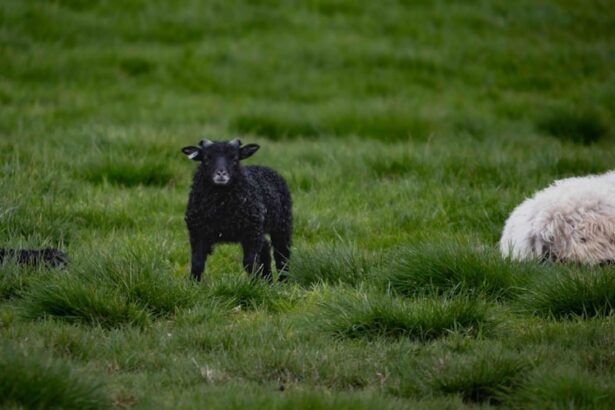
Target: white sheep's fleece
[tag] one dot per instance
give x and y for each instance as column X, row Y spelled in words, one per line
column 571, row 220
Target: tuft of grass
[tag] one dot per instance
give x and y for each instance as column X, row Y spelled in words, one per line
column 136, row 66
column 15, row 279
column 575, row 291
column 362, row 315
column 399, row 164
column 442, row 267
column 111, row 288
column 575, row 166
column 558, row 388
column 102, row 216
column 329, row 263
column 392, row 167
column 579, row 126
column 599, row 360
column 248, row 292
column 37, row 382
column 380, row 124
column 274, row 127
column 74, row 299
column 128, row 174
column 144, row 280
column 486, row 377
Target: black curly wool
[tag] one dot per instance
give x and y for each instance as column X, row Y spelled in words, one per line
column 254, row 202
column 46, row 256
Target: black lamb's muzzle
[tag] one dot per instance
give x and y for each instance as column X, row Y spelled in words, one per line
column 221, row 177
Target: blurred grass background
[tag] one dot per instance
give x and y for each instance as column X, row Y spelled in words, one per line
column 407, row 130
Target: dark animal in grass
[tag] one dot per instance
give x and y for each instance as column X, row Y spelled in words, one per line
column 230, row 203
column 47, row 256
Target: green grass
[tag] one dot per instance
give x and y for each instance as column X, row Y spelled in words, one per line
column 127, row 174
column 580, row 291
column 244, row 292
column 34, row 381
column 15, row 279
column 407, row 132
column 332, row 263
column 78, row 302
column 567, row 388
column 446, row 267
column 484, row 377
column 110, row 288
column 583, row 127
column 354, row 315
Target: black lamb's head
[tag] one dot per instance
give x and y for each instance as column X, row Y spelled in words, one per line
column 220, row 159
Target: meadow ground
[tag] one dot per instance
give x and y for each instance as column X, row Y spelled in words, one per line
column 407, row 131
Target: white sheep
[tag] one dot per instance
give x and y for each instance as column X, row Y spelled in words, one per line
column 571, row 220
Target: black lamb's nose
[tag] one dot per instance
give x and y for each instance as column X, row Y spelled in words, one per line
column 221, row 172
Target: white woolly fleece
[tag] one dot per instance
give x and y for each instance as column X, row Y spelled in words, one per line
column 571, row 220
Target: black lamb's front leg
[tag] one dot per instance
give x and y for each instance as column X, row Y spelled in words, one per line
column 252, row 262
column 200, row 250
column 250, row 256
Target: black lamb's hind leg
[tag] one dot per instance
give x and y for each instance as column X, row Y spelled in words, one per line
column 265, row 260
column 281, row 251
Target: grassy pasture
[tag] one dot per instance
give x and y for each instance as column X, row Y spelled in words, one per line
column 407, row 130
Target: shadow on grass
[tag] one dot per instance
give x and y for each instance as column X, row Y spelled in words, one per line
column 384, row 126
column 274, row 127
column 579, row 126
column 127, row 174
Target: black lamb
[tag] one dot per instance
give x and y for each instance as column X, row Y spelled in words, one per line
column 230, row 203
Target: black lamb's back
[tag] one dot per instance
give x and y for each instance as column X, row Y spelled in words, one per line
column 274, row 193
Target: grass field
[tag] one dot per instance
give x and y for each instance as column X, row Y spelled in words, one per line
column 407, row 130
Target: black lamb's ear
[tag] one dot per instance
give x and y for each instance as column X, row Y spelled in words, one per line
column 247, row 150
column 193, row 153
